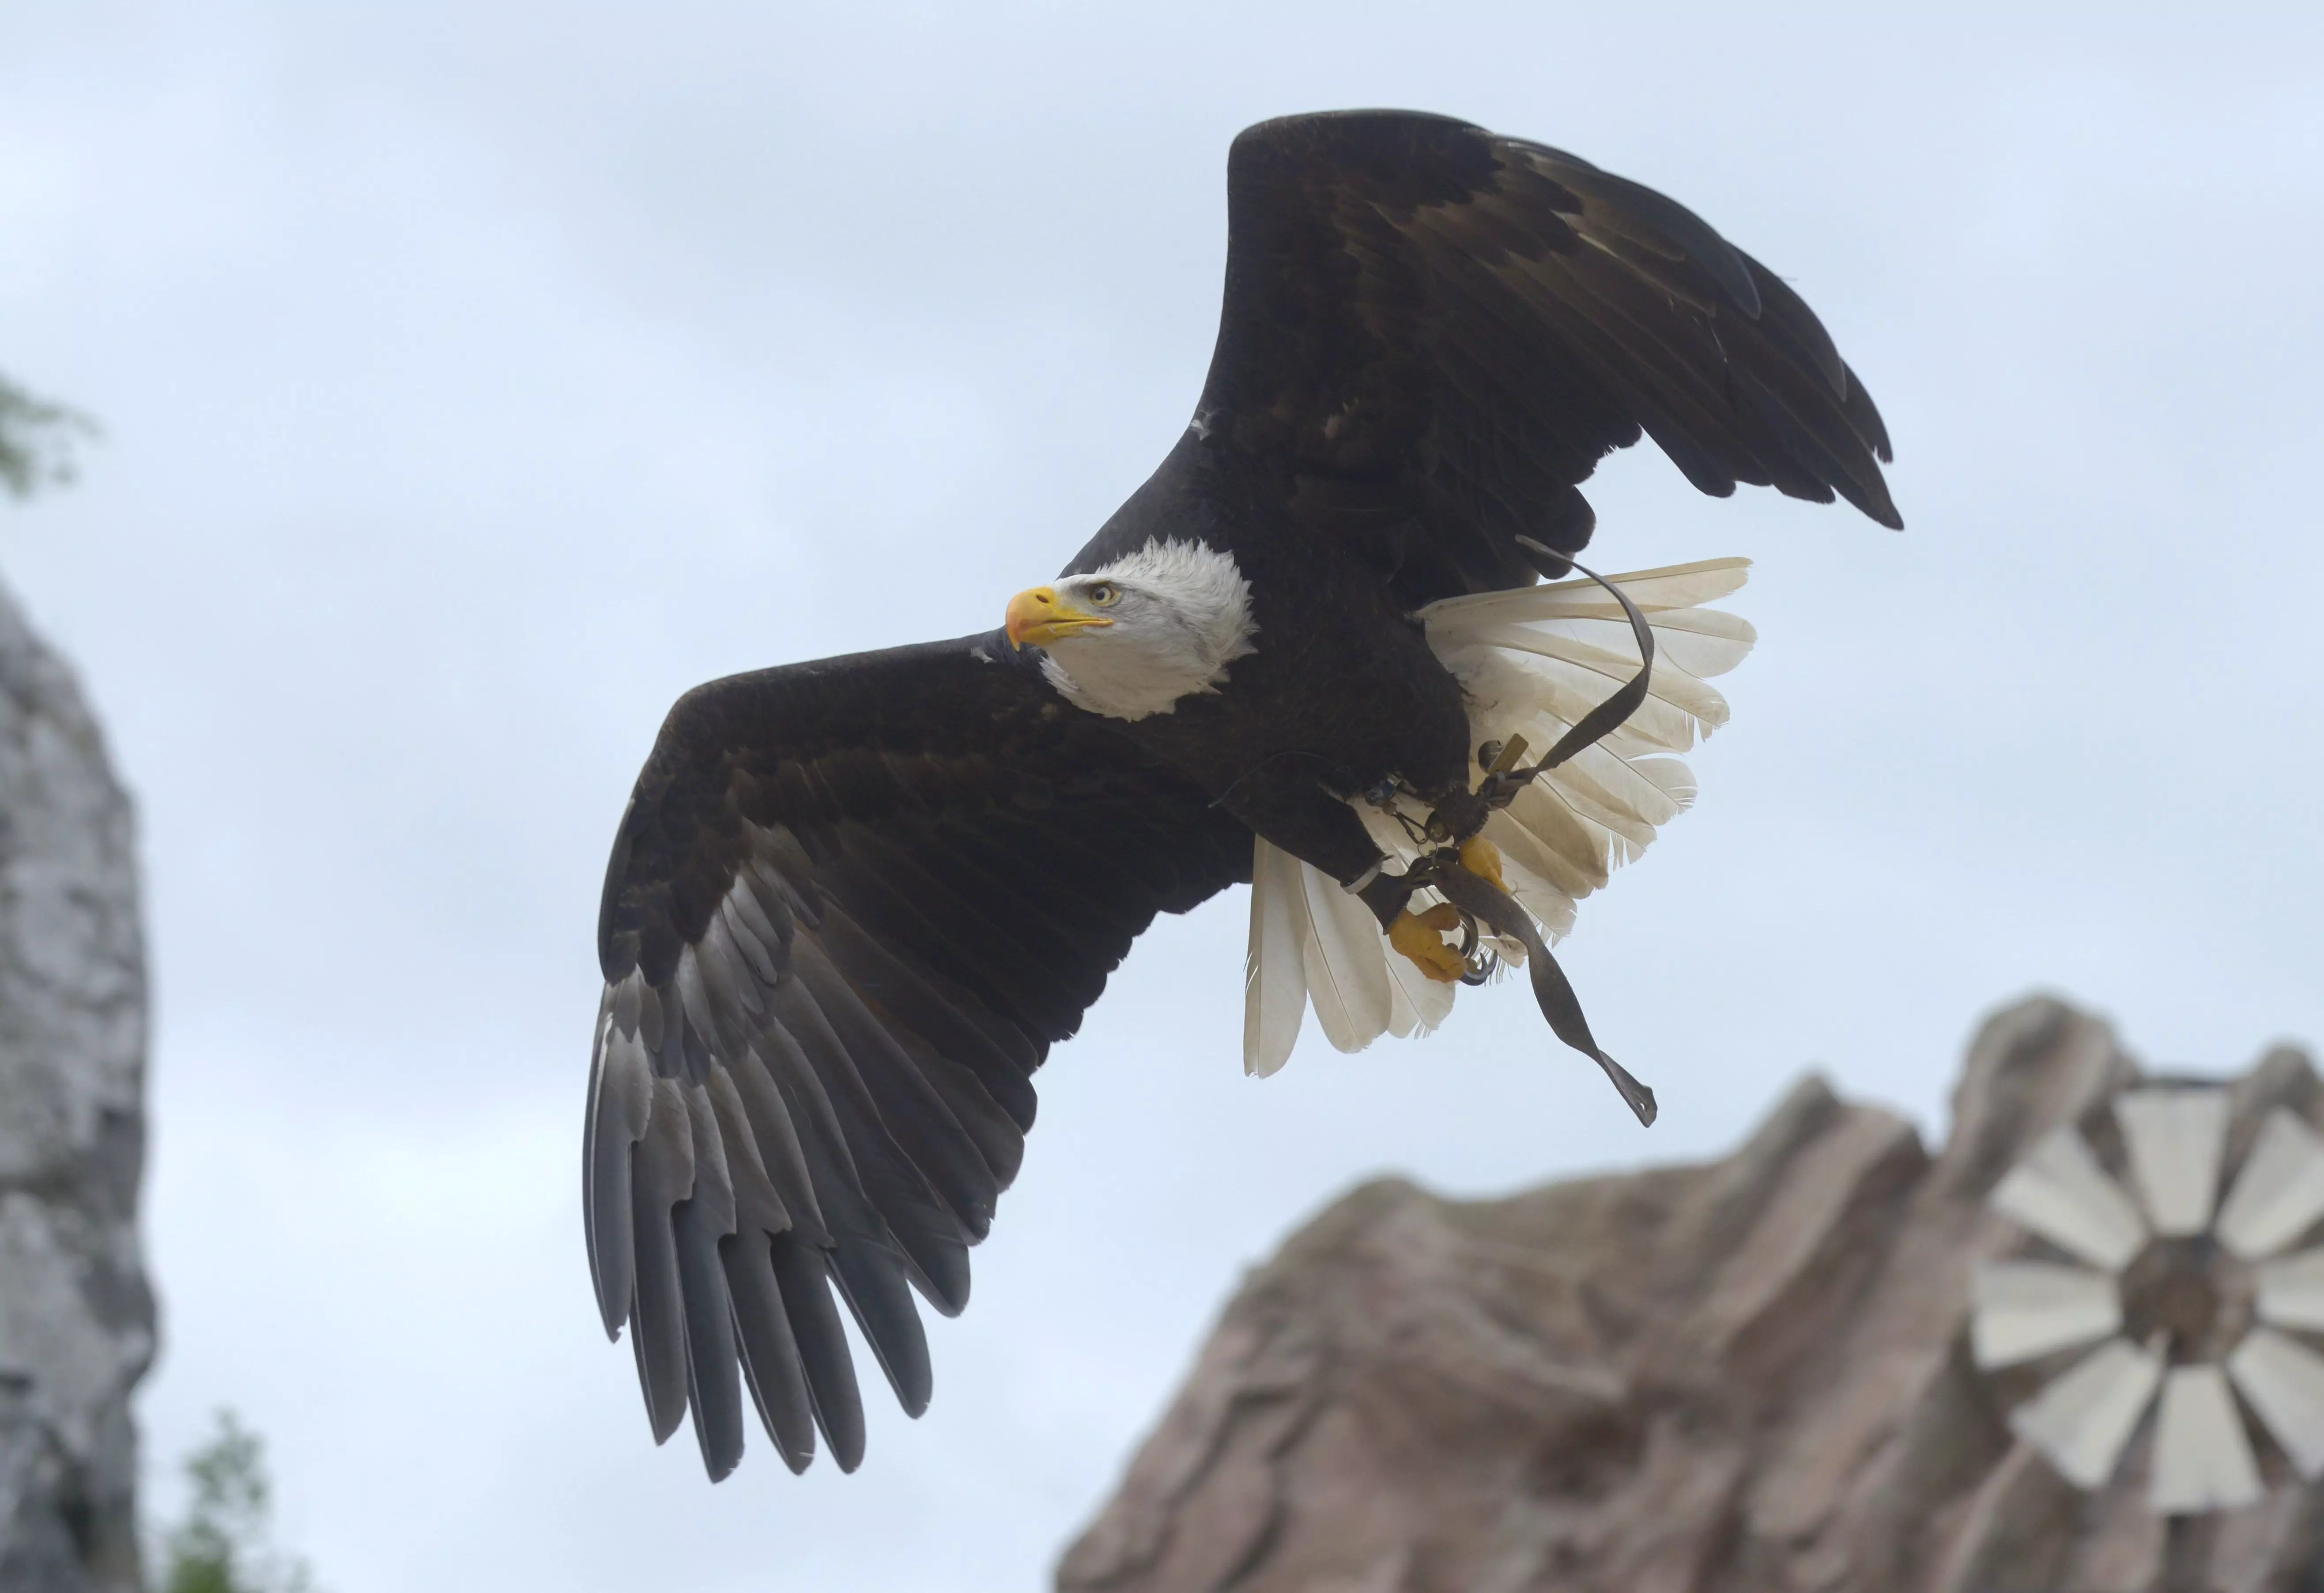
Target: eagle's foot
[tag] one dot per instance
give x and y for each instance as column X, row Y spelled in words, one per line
column 1420, row 936
column 1481, row 858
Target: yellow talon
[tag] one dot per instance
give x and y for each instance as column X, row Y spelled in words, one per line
column 1420, row 937
column 1481, row 858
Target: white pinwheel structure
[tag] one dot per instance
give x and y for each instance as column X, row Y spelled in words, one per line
column 2084, row 1418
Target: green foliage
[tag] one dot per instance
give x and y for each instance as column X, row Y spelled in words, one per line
column 221, row 1545
column 36, row 440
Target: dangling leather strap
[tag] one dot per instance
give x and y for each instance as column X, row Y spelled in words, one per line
column 1481, row 898
column 1609, row 715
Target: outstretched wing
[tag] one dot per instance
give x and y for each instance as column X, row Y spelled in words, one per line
column 1436, row 332
column 850, row 905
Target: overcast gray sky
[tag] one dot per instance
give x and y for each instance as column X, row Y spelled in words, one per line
column 478, row 376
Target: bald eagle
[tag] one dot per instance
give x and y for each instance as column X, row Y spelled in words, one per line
column 852, row 903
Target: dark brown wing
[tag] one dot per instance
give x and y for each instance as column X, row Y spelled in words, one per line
column 850, row 905
column 1440, row 331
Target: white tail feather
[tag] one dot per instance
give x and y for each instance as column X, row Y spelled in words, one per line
column 1670, row 683
column 1347, row 967
column 1532, row 662
column 1275, row 981
column 1422, row 1004
column 1672, row 587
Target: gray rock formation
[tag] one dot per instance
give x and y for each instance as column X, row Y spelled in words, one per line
column 1750, row 1376
column 75, row 1314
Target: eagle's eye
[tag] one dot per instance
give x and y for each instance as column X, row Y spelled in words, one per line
column 1104, row 594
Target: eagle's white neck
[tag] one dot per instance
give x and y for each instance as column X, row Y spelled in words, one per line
column 1183, row 616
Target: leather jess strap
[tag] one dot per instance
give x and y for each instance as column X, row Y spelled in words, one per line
column 1481, row 898
column 1609, row 715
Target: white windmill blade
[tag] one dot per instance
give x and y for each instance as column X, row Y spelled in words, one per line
column 2283, row 1380
column 2081, row 1421
column 2029, row 1309
column 2202, row 1460
column 2292, row 1292
column 2060, row 1192
column 2279, row 1192
column 2176, row 1137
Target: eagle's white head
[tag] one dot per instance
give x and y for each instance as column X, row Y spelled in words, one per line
column 1132, row 636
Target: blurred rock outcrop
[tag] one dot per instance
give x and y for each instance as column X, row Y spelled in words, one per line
column 76, row 1313
column 1749, row 1376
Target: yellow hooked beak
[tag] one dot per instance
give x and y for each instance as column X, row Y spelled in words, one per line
column 1038, row 617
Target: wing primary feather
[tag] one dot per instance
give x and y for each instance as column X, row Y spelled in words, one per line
column 869, row 966
column 620, row 1099
column 998, row 1141
column 755, row 1198
column 770, row 1349
column 945, row 1012
column 861, row 1184
column 1786, row 319
column 897, row 895
column 906, row 1104
column 662, row 1175
column 927, row 1231
column 713, row 1384
column 803, row 1274
column 771, row 1130
column 1825, row 456
column 872, row 1282
column 1863, row 415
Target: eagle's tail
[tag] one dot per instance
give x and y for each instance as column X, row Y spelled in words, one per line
column 1533, row 662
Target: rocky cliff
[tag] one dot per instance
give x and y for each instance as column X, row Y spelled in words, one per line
column 75, row 1314
column 1750, row 1376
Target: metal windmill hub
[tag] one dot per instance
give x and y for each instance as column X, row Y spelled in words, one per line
column 2188, row 1297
